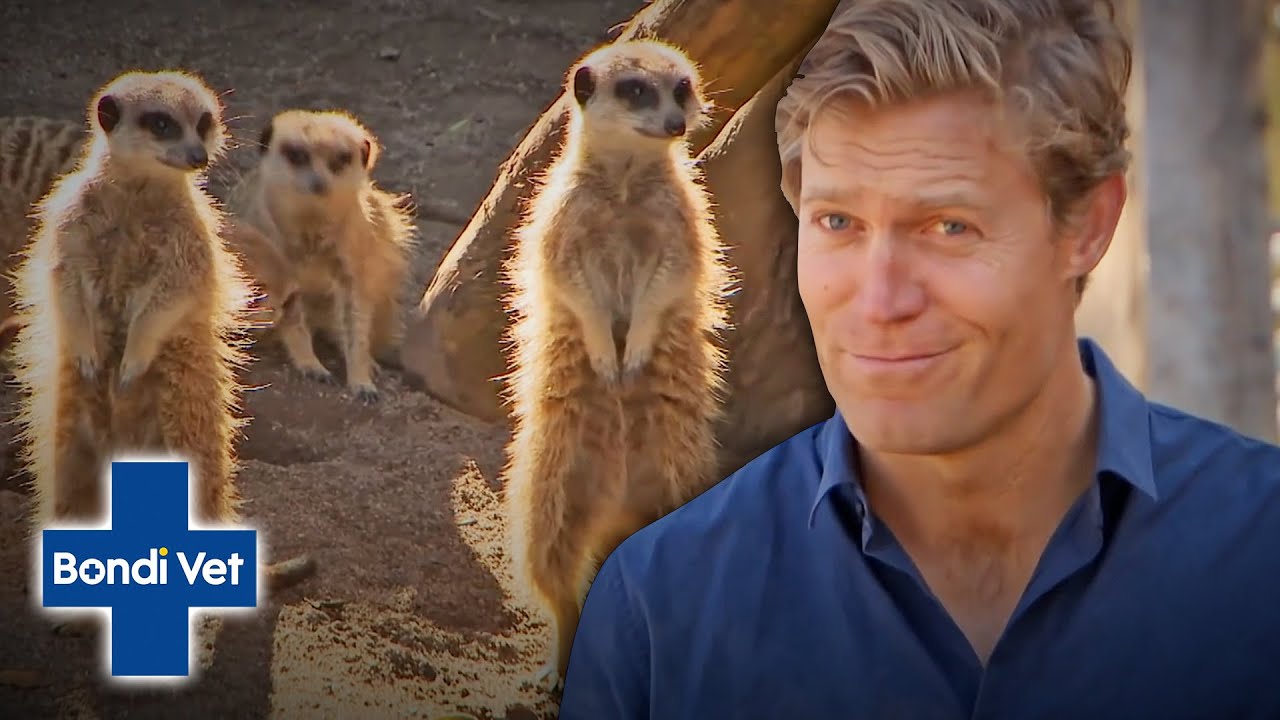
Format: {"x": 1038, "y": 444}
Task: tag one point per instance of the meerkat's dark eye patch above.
{"x": 161, "y": 125}
{"x": 294, "y": 155}
{"x": 682, "y": 91}
{"x": 340, "y": 161}
{"x": 636, "y": 92}
{"x": 204, "y": 124}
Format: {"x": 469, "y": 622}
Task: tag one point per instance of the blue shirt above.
{"x": 775, "y": 594}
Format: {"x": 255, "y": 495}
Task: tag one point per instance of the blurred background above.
{"x": 411, "y": 613}
{"x": 1187, "y": 299}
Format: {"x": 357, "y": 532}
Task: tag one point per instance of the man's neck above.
{"x": 976, "y": 523}
{"x": 995, "y": 497}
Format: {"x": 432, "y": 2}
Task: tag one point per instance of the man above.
{"x": 995, "y": 524}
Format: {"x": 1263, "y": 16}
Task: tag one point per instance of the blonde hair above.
{"x": 1062, "y": 65}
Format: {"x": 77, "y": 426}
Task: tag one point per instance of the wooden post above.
{"x": 1210, "y": 320}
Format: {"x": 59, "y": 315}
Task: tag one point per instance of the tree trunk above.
{"x": 1207, "y": 216}
{"x": 453, "y": 345}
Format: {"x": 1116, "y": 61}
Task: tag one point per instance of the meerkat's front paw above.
{"x": 604, "y": 360}
{"x": 634, "y": 358}
{"x": 317, "y": 373}
{"x": 88, "y": 364}
{"x": 130, "y": 370}
{"x": 365, "y": 393}
{"x": 641, "y": 337}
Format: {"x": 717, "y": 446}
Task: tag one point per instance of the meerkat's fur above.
{"x": 133, "y": 306}
{"x": 268, "y": 271}
{"x": 346, "y": 242}
{"x": 617, "y": 297}
{"x": 34, "y": 151}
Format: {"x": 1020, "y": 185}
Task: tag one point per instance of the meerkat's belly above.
{"x": 316, "y": 279}
{"x": 626, "y": 263}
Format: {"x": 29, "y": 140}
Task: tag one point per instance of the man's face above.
{"x": 939, "y": 298}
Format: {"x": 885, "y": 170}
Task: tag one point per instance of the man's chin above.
{"x": 925, "y": 429}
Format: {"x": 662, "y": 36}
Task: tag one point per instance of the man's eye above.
{"x": 834, "y": 222}
{"x": 953, "y": 227}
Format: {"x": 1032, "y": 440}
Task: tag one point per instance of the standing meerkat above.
{"x": 132, "y": 305}
{"x": 34, "y": 151}
{"x": 618, "y": 286}
{"x": 345, "y": 242}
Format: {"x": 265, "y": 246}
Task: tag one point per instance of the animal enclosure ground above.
{"x": 410, "y": 612}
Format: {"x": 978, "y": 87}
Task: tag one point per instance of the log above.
{"x": 775, "y": 385}
{"x": 452, "y": 347}
{"x": 1210, "y": 321}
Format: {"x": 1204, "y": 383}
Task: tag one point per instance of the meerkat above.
{"x": 34, "y": 151}
{"x": 132, "y": 304}
{"x": 345, "y": 242}
{"x": 268, "y": 272}
{"x": 617, "y": 293}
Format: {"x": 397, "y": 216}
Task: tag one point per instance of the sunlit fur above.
{"x": 346, "y": 242}
{"x": 133, "y": 306}
{"x": 617, "y": 248}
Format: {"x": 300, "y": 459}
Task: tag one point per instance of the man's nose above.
{"x": 889, "y": 291}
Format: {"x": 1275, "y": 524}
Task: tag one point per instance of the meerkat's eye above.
{"x": 205, "y": 124}
{"x": 630, "y": 88}
{"x": 161, "y": 125}
{"x": 683, "y": 90}
{"x": 294, "y": 155}
{"x": 636, "y": 92}
{"x": 340, "y": 161}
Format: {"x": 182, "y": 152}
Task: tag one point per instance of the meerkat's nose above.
{"x": 197, "y": 157}
{"x": 318, "y": 186}
{"x": 674, "y": 126}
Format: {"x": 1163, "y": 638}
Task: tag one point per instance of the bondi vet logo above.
{"x": 147, "y": 569}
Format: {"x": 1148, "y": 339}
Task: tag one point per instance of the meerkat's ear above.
{"x": 108, "y": 112}
{"x": 368, "y": 152}
{"x": 584, "y": 84}
{"x": 264, "y": 138}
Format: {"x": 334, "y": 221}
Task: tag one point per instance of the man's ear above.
{"x": 1095, "y": 225}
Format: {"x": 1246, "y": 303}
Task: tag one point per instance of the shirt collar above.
{"x": 1124, "y": 435}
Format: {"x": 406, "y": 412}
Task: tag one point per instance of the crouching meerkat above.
{"x": 345, "y": 242}
{"x": 34, "y": 151}
{"x": 617, "y": 297}
{"x": 132, "y": 305}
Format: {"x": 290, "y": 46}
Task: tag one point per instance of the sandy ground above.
{"x": 409, "y": 614}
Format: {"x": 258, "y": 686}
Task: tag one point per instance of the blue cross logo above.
{"x": 148, "y": 569}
